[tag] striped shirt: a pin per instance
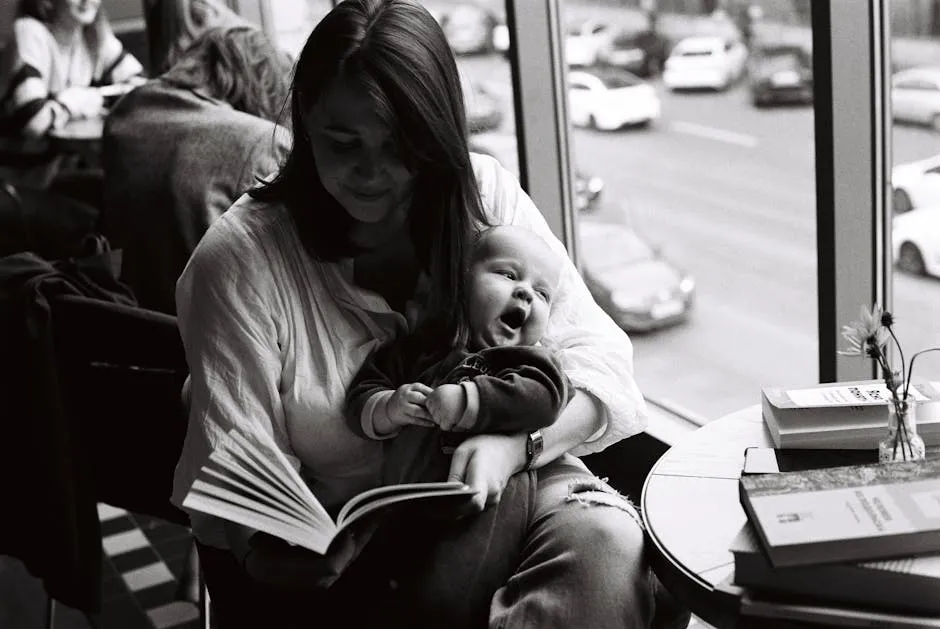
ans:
(42, 69)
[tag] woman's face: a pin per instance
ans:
(357, 157)
(77, 12)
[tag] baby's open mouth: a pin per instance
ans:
(514, 318)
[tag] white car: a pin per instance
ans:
(586, 42)
(915, 96)
(608, 98)
(915, 236)
(916, 184)
(705, 61)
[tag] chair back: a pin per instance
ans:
(121, 371)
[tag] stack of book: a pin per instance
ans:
(845, 415)
(855, 545)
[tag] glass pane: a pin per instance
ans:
(915, 179)
(479, 38)
(290, 21)
(709, 161)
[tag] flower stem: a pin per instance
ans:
(910, 369)
(901, 352)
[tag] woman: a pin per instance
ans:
(66, 51)
(290, 290)
(179, 150)
(173, 25)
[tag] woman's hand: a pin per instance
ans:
(81, 102)
(273, 562)
(485, 462)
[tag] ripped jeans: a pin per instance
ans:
(561, 550)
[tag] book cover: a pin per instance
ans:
(847, 415)
(248, 480)
(905, 584)
(847, 513)
(831, 615)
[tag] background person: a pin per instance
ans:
(180, 149)
(290, 290)
(173, 25)
(65, 50)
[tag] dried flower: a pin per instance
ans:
(869, 336)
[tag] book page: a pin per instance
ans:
(377, 493)
(448, 498)
(271, 500)
(210, 500)
(847, 395)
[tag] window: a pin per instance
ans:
(722, 192)
(915, 183)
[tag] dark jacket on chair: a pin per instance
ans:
(50, 519)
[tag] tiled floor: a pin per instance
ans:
(144, 558)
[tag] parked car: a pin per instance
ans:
(780, 73)
(915, 237)
(609, 98)
(705, 61)
(629, 278)
(468, 27)
(642, 52)
(915, 96)
(502, 146)
(915, 184)
(585, 42)
(484, 109)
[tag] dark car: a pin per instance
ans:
(641, 52)
(630, 279)
(781, 74)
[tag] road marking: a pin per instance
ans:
(747, 141)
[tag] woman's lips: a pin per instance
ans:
(369, 196)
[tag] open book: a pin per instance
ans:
(248, 480)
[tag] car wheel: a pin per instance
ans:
(901, 201)
(910, 259)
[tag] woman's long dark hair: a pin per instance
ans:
(398, 51)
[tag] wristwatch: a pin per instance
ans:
(534, 445)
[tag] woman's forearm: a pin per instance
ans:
(579, 420)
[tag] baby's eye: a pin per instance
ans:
(508, 274)
(544, 294)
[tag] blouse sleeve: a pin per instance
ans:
(595, 353)
(115, 63)
(227, 310)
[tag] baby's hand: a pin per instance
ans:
(407, 405)
(446, 405)
(82, 102)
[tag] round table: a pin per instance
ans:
(691, 511)
(81, 137)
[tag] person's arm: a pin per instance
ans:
(116, 64)
(524, 390)
(29, 107)
(594, 352)
(381, 399)
(227, 310)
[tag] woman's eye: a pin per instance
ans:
(342, 147)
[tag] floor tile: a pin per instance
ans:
(173, 614)
(147, 576)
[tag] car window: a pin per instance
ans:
(915, 84)
(609, 247)
(616, 81)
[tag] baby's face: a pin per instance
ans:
(511, 285)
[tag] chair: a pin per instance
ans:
(121, 371)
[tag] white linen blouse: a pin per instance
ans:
(273, 338)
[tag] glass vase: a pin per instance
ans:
(902, 443)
